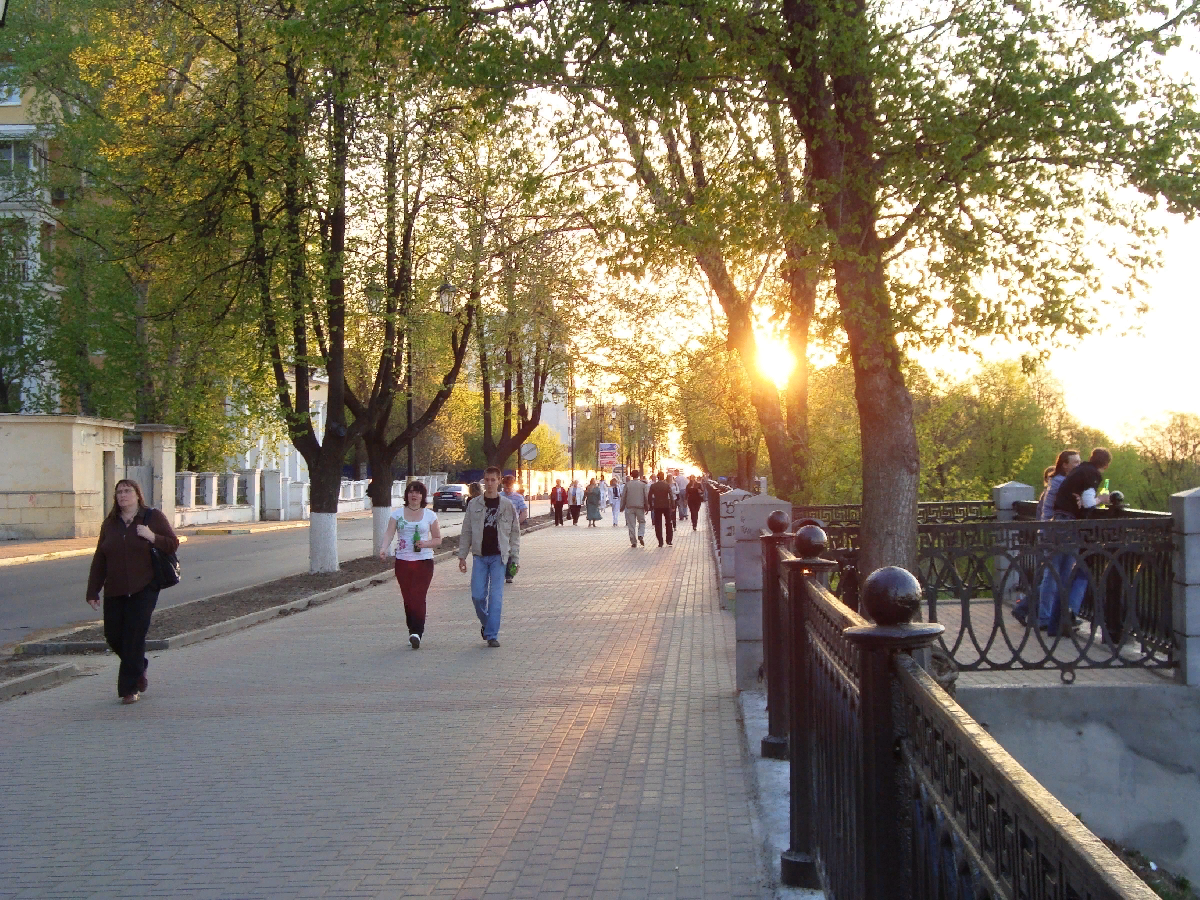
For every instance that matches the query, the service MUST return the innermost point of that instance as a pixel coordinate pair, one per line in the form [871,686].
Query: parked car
[451,496]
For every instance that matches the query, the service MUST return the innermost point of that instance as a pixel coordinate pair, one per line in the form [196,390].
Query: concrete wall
[1125,759]
[54,482]
[750,512]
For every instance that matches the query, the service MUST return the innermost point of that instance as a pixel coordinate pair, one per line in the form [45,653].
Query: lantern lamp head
[446,293]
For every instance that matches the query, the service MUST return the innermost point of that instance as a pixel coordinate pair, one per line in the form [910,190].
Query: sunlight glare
[775,359]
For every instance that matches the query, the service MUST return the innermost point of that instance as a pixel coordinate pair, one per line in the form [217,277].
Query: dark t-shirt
[660,495]
[491,514]
[1084,476]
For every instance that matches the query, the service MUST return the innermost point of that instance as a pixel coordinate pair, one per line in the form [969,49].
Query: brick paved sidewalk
[597,753]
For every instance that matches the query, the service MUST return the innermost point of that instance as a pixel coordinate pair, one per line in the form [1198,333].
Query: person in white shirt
[681,483]
[614,487]
[574,500]
[417,533]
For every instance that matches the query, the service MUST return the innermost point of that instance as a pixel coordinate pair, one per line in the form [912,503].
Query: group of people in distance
[595,497]
[662,498]
[1072,490]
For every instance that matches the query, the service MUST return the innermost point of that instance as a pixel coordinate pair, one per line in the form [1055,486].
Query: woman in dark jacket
[122,566]
[695,497]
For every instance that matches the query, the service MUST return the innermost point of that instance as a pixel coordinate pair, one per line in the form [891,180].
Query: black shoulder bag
[165,565]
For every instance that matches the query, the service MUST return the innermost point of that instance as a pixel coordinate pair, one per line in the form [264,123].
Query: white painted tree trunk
[379,523]
[322,543]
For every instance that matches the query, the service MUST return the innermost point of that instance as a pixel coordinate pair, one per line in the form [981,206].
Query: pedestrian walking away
[633,504]
[574,501]
[417,533]
[695,497]
[122,566]
[593,498]
[680,484]
[491,532]
[615,487]
[662,509]
[558,499]
[514,496]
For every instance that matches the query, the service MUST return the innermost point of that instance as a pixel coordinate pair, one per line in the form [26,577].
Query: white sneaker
[415,640]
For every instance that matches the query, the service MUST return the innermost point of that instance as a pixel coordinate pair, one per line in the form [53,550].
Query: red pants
[414,577]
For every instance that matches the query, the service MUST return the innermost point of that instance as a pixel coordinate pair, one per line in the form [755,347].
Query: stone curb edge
[45,557]
[62,648]
[57,554]
[35,681]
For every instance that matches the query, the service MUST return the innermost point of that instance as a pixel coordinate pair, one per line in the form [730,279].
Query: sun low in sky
[775,359]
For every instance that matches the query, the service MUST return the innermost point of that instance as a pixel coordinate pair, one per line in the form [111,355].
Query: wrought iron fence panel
[1118,571]
[1114,574]
[830,514]
[983,827]
[835,675]
[951,511]
[934,512]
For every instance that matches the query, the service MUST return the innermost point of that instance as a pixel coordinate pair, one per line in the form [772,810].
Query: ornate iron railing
[712,494]
[896,792]
[981,826]
[943,512]
[835,705]
[1050,595]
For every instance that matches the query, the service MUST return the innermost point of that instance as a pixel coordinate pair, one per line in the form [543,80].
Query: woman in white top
[615,487]
[417,533]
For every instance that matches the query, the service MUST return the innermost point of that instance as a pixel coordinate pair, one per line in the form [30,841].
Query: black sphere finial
[891,596]
[778,522]
[811,541]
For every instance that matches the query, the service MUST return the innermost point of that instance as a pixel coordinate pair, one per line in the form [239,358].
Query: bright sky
[1116,383]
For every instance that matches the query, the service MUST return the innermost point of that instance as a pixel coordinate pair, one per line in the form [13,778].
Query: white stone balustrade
[206,489]
[1185,594]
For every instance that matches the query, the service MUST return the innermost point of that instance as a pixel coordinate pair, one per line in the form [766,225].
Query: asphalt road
[41,598]
[44,597]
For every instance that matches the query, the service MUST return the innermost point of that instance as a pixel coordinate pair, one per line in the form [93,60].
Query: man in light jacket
[633,504]
[491,532]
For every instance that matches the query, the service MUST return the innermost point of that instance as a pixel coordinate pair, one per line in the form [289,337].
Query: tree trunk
[325,483]
[379,489]
[830,93]
[890,457]
[764,396]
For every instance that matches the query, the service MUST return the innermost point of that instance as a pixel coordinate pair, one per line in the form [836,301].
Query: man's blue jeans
[487,592]
[1065,571]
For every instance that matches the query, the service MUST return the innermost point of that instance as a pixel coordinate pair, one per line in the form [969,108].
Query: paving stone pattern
[597,753]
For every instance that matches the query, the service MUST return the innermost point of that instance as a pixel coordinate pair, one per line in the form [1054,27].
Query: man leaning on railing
[1077,497]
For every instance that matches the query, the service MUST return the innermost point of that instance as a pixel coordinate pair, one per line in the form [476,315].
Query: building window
[16,157]
[10,88]
[15,262]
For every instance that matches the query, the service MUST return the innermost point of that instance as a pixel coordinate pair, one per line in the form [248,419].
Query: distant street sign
[608,455]
[529,452]
[618,470]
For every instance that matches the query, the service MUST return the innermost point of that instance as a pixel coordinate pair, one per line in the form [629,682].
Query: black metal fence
[895,791]
[1057,595]
[712,493]
[936,512]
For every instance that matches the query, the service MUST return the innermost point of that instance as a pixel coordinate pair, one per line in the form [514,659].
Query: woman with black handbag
[123,566]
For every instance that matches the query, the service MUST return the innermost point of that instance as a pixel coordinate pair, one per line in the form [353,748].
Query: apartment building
[26,234]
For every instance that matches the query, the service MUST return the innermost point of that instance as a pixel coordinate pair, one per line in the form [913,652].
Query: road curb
[57,554]
[36,681]
[77,648]
[40,557]
[69,648]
